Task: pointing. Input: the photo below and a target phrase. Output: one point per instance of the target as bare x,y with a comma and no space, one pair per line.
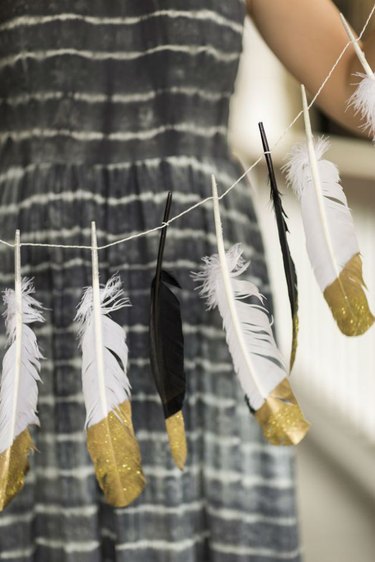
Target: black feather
166,336
282,227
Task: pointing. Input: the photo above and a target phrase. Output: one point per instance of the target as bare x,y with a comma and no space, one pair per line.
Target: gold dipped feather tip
177,438
347,299
116,456
14,465
281,418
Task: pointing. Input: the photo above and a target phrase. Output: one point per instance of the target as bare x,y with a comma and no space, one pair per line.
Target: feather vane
19,389
363,102
259,346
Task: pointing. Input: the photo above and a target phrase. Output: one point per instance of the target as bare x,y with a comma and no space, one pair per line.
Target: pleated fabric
104,108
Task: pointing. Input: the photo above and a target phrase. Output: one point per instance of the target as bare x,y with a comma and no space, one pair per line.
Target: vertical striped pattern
104,107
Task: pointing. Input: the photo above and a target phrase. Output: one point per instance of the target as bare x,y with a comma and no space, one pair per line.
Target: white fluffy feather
363,102
258,363
104,378
19,389
328,224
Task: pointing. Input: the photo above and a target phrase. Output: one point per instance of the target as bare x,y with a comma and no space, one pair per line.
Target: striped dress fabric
105,107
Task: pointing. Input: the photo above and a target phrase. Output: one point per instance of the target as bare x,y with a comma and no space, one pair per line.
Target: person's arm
307,36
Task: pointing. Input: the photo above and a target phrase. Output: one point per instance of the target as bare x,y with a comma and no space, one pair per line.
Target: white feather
258,363
19,390
329,230
104,379
363,102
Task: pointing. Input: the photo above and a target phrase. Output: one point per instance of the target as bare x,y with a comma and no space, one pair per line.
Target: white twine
210,198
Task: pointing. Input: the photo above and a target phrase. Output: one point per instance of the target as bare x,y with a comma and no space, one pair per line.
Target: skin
307,36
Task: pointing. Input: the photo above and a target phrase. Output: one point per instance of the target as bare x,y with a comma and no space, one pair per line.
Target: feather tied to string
19,389
329,231
363,98
256,358
282,228
111,440
167,350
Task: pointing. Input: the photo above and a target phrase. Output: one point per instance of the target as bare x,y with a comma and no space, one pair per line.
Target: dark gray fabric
105,106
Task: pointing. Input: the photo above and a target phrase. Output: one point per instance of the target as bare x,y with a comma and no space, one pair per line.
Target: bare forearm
307,36
369,49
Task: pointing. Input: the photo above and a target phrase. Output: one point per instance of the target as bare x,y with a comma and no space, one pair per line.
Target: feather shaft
229,289
360,54
98,319
282,228
316,181
163,236
18,317
166,350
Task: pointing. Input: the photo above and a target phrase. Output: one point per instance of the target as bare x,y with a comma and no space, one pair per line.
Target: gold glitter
294,341
177,438
347,300
281,418
14,465
116,456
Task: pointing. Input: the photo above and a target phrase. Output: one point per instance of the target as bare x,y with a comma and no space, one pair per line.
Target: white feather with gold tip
331,242
257,361
19,388
110,435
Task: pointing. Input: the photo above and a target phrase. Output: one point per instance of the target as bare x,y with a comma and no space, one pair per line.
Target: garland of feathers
258,363
335,258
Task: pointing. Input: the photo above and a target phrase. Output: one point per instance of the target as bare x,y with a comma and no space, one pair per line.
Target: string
210,198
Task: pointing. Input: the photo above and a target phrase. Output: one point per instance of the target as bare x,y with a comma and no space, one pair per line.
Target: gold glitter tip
14,465
281,418
177,438
347,300
115,453
295,321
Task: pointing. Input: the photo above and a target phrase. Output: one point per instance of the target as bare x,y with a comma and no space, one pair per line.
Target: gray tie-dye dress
105,106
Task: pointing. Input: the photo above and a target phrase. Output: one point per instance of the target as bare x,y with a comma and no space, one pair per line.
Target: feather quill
111,440
282,227
18,389
167,350
256,358
363,99
329,231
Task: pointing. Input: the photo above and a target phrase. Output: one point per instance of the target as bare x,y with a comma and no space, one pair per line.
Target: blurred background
334,376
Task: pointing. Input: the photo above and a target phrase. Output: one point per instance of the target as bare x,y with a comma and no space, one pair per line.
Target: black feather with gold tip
167,350
282,227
